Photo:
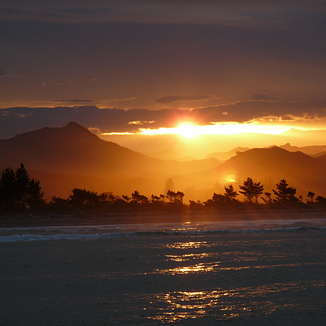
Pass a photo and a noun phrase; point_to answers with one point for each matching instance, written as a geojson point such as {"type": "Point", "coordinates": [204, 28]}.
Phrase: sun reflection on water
{"type": "Point", "coordinates": [182, 305]}
{"type": "Point", "coordinates": [228, 304]}
{"type": "Point", "coordinates": [189, 245]}
{"type": "Point", "coordinates": [196, 268]}
{"type": "Point", "coordinates": [187, 257]}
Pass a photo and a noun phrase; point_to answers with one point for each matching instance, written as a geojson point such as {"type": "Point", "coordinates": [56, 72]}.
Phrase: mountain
{"type": "Point", "coordinates": [321, 156]}
{"type": "Point", "coordinates": [169, 154]}
{"type": "Point", "coordinates": [223, 156]}
{"type": "Point", "coordinates": [71, 156]}
{"type": "Point", "coordinates": [270, 165]}
{"type": "Point", "coordinates": [298, 133]}
{"type": "Point", "coordinates": [309, 150]}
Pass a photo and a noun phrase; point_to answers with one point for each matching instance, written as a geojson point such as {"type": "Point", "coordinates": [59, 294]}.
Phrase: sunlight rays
{"type": "Point", "coordinates": [189, 130]}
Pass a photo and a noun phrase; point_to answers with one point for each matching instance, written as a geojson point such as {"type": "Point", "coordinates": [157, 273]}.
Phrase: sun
{"type": "Point", "coordinates": [186, 129]}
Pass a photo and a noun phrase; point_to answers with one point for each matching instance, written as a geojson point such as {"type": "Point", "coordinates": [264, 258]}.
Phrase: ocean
{"type": "Point", "coordinates": [241, 272]}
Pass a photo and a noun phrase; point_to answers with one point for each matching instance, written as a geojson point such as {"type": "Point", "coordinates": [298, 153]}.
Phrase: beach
{"type": "Point", "coordinates": [242, 273]}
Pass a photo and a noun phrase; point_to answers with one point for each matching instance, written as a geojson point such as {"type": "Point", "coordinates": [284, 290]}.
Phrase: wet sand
{"type": "Point", "coordinates": [237, 279]}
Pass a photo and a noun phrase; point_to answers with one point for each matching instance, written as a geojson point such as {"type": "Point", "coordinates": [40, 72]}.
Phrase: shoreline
{"type": "Point", "coordinates": [29, 220]}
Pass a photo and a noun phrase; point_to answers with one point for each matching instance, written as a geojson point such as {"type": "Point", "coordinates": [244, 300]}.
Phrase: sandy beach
{"type": "Point", "coordinates": [263, 278]}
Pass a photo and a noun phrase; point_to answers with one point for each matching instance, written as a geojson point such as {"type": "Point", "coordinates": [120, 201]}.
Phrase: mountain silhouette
{"type": "Point", "coordinates": [270, 165]}
{"type": "Point", "coordinates": [66, 157]}
{"type": "Point", "coordinates": [72, 156]}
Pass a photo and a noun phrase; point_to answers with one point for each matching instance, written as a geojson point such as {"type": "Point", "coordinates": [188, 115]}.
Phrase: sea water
{"type": "Point", "coordinates": [239, 272]}
{"type": "Point", "coordinates": [42, 233]}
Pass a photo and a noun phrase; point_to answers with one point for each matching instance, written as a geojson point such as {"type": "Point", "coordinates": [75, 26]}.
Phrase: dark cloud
{"type": "Point", "coordinates": [246, 12]}
{"type": "Point", "coordinates": [23, 119]}
{"type": "Point", "coordinates": [169, 99]}
{"type": "Point", "coordinates": [145, 49]}
{"type": "Point", "coordinates": [4, 72]}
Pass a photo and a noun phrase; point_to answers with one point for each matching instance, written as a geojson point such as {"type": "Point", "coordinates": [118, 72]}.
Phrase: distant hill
{"type": "Point", "coordinates": [71, 156]}
{"type": "Point", "coordinates": [223, 156]}
{"type": "Point", "coordinates": [169, 154]}
{"type": "Point", "coordinates": [270, 165]}
{"type": "Point", "coordinates": [309, 150]}
{"type": "Point", "coordinates": [321, 156]}
{"type": "Point", "coordinates": [298, 133]}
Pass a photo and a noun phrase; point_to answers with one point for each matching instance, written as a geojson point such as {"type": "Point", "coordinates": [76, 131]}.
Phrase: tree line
{"type": "Point", "coordinates": [20, 193]}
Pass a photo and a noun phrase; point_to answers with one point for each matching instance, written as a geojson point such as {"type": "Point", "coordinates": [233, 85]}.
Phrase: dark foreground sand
{"type": "Point", "coordinates": [237, 279]}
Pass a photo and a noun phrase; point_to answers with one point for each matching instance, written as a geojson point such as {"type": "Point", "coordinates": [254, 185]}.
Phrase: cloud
{"type": "Point", "coordinates": [4, 72]}
{"type": "Point", "coordinates": [169, 99]}
{"type": "Point", "coordinates": [245, 12]}
{"type": "Point", "coordinates": [23, 119]}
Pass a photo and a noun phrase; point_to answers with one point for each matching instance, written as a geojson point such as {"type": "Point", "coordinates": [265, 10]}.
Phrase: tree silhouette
{"type": "Point", "coordinates": [170, 195]}
{"type": "Point", "coordinates": [8, 188]}
{"type": "Point", "coordinates": [251, 190]}
{"type": "Point", "coordinates": [179, 196]}
{"type": "Point", "coordinates": [126, 198]}
{"type": "Point", "coordinates": [82, 198]}
{"type": "Point", "coordinates": [22, 186]}
{"type": "Point", "coordinates": [35, 199]}
{"type": "Point", "coordinates": [230, 193]}
{"type": "Point", "coordinates": [19, 191]}
{"type": "Point", "coordinates": [311, 196]}
{"type": "Point", "coordinates": [219, 199]}
{"type": "Point", "coordinates": [136, 197]}
{"type": "Point", "coordinates": [284, 193]}
{"type": "Point", "coordinates": [268, 198]}
{"type": "Point", "coordinates": [175, 197]}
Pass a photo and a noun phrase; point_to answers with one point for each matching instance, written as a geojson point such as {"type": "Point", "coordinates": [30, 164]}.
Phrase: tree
{"type": "Point", "coordinates": [219, 198]}
{"type": "Point", "coordinates": [284, 193]}
{"type": "Point", "coordinates": [8, 188]}
{"type": "Point", "coordinates": [268, 198]}
{"type": "Point", "coordinates": [321, 200]}
{"type": "Point", "coordinates": [19, 191]}
{"type": "Point", "coordinates": [82, 198]}
{"type": "Point", "coordinates": [175, 197]}
{"type": "Point", "coordinates": [171, 196]}
{"type": "Point", "coordinates": [179, 196]}
{"type": "Point", "coordinates": [22, 186]}
{"type": "Point", "coordinates": [251, 190]}
{"type": "Point", "coordinates": [136, 197]}
{"type": "Point", "coordinates": [311, 196]}
{"type": "Point", "coordinates": [35, 199]}
{"type": "Point", "coordinates": [230, 193]}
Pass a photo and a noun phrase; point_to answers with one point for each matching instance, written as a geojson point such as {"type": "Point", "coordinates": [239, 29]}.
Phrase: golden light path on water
{"type": "Point", "coordinates": [231, 303]}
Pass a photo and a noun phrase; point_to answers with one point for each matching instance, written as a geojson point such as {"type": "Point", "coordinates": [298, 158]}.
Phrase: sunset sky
{"type": "Point", "coordinates": [126, 67]}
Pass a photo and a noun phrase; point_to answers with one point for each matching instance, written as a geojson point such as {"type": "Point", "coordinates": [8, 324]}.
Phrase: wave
{"type": "Point", "coordinates": [146, 230]}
